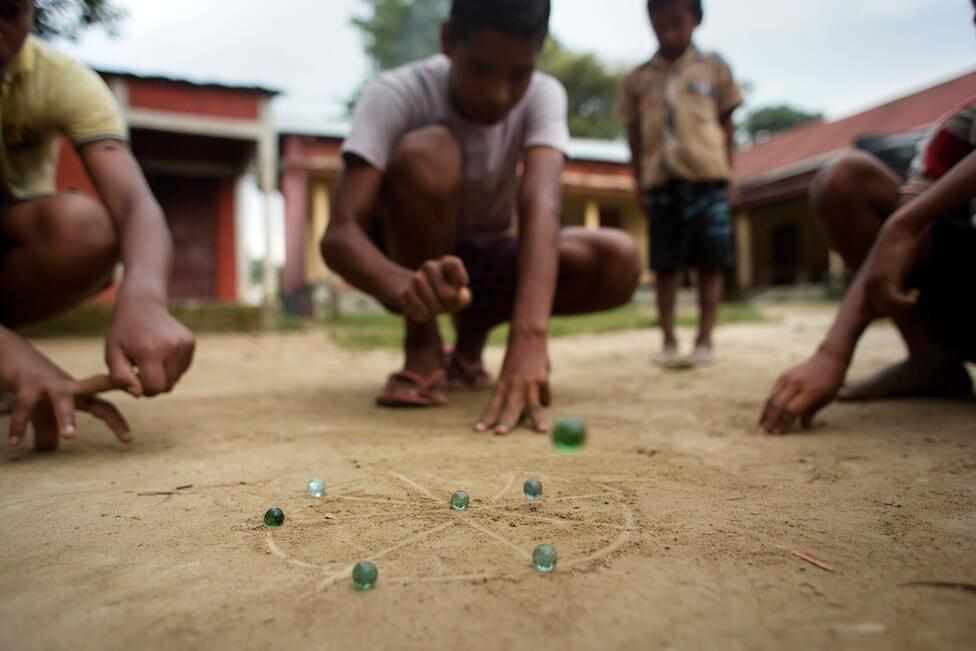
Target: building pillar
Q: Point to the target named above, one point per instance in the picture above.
(267, 171)
(317, 222)
(294, 187)
(591, 215)
(744, 261)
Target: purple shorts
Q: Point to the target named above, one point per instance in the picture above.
(492, 273)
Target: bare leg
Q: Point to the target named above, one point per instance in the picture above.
(853, 197)
(60, 250)
(423, 190)
(667, 294)
(711, 285)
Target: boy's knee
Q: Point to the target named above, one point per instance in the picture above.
(427, 161)
(79, 228)
(622, 266)
(844, 180)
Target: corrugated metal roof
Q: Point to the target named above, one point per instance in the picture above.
(584, 149)
(798, 150)
(262, 90)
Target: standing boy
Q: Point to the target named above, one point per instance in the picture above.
(678, 110)
(57, 250)
(431, 190)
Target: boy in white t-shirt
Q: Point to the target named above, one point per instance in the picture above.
(444, 157)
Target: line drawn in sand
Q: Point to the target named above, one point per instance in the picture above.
(598, 537)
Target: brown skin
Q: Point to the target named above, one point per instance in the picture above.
(60, 250)
(895, 250)
(490, 74)
(674, 25)
(887, 252)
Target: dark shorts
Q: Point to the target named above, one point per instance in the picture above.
(6, 203)
(690, 225)
(947, 279)
(492, 271)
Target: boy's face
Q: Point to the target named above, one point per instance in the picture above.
(16, 20)
(490, 72)
(674, 24)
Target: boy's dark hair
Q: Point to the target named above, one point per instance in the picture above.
(522, 18)
(694, 5)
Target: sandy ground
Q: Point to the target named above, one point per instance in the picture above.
(675, 528)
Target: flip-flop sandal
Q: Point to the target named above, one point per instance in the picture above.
(465, 375)
(409, 389)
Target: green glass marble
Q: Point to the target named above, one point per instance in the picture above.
(274, 517)
(533, 490)
(569, 436)
(364, 575)
(459, 501)
(544, 558)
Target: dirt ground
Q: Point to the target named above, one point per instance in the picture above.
(675, 527)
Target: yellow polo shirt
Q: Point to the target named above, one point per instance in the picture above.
(679, 106)
(47, 96)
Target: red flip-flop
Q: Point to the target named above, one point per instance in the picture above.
(409, 389)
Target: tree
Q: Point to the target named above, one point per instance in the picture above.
(67, 18)
(762, 123)
(400, 31)
(592, 89)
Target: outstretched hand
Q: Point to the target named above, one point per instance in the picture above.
(802, 392)
(521, 393)
(47, 396)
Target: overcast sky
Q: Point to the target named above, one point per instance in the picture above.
(839, 56)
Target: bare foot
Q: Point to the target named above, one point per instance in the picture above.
(912, 379)
(668, 356)
(703, 355)
(467, 375)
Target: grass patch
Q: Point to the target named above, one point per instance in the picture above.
(383, 330)
(94, 320)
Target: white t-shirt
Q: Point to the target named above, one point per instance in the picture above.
(417, 95)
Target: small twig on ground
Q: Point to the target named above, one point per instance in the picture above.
(813, 560)
(165, 493)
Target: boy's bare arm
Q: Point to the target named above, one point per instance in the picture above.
(146, 349)
(636, 159)
(804, 390)
(348, 250)
(896, 250)
(728, 126)
(523, 386)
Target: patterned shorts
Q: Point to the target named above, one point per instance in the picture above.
(690, 226)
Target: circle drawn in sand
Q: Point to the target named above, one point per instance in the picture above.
(407, 528)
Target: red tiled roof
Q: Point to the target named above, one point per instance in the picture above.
(809, 142)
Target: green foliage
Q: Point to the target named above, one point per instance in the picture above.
(401, 31)
(67, 18)
(592, 88)
(398, 32)
(762, 123)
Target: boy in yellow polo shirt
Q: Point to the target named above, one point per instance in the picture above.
(57, 250)
(678, 110)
